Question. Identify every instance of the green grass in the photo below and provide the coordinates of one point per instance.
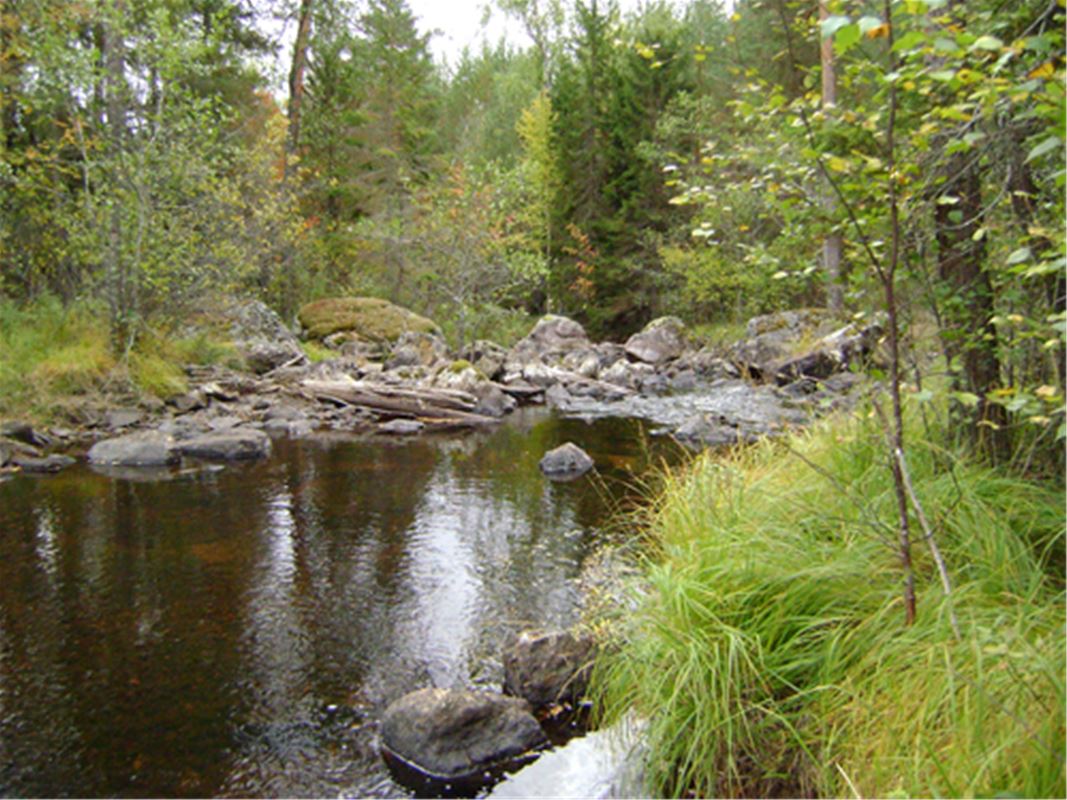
(769, 651)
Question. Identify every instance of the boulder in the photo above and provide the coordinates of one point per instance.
(552, 338)
(486, 357)
(549, 668)
(417, 349)
(370, 318)
(119, 418)
(235, 444)
(772, 338)
(144, 449)
(566, 461)
(831, 354)
(450, 741)
(262, 339)
(23, 432)
(661, 340)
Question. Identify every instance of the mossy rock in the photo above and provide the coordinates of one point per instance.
(369, 317)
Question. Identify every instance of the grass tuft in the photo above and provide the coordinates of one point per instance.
(769, 650)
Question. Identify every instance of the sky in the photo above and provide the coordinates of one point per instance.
(460, 23)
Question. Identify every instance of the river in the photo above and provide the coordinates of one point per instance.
(237, 632)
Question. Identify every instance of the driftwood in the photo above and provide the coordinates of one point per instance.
(438, 408)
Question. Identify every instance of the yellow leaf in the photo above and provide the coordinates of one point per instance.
(1046, 392)
(879, 32)
(1046, 70)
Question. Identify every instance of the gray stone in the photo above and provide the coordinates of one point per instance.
(144, 449)
(185, 403)
(119, 418)
(233, 445)
(486, 357)
(456, 741)
(493, 401)
(23, 432)
(264, 356)
(226, 423)
(546, 668)
(415, 349)
(568, 460)
(49, 464)
(661, 340)
(401, 427)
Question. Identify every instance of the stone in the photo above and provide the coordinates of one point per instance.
(24, 432)
(417, 349)
(144, 449)
(831, 354)
(186, 403)
(567, 461)
(486, 357)
(225, 423)
(771, 338)
(401, 427)
(263, 340)
(662, 340)
(46, 464)
(264, 356)
(493, 401)
(547, 668)
(233, 445)
(455, 741)
(370, 318)
(120, 418)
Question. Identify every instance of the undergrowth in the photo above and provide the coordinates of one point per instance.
(769, 652)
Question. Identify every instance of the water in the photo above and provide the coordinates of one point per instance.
(238, 632)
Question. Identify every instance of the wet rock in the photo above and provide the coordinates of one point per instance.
(232, 445)
(449, 741)
(120, 418)
(23, 432)
(401, 427)
(661, 340)
(566, 461)
(47, 464)
(144, 449)
(549, 668)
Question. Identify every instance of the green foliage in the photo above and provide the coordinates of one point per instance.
(369, 317)
(769, 653)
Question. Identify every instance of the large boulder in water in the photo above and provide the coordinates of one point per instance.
(145, 449)
(454, 742)
(661, 340)
(566, 461)
(370, 318)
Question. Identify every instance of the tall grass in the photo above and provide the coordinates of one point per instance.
(769, 651)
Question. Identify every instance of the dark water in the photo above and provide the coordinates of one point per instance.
(238, 632)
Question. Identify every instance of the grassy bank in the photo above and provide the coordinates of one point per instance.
(55, 360)
(769, 650)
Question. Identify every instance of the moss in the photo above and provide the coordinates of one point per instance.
(316, 352)
(369, 317)
(459, 365)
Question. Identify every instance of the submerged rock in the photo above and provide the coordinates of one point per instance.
(451, 741)
(144, 449)
(566, 461)
(548, 668)
(45, 464)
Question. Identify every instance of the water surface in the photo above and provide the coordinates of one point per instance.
(238, 632)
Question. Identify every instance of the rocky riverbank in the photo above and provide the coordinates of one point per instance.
(392, 374)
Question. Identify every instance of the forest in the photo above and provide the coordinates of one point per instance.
(899, 163)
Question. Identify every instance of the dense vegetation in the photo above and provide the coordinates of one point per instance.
(903, 158)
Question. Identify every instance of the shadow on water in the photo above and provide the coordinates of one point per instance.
(238, 632)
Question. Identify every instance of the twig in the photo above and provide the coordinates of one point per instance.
(928, 532)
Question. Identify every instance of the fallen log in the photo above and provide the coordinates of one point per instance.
(437, 407)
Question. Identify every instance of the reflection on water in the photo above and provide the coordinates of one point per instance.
(238, 633)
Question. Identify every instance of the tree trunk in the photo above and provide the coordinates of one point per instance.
(119, 280)
(970, 337)
(296, 83)
(832, 244)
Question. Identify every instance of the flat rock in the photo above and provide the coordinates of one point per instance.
(233, 445)
(401, 427)
(144, 449)
(119, 418)
(23, 432)
(45, 464)
(546, 668)
(454, 741)
(566, 461)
